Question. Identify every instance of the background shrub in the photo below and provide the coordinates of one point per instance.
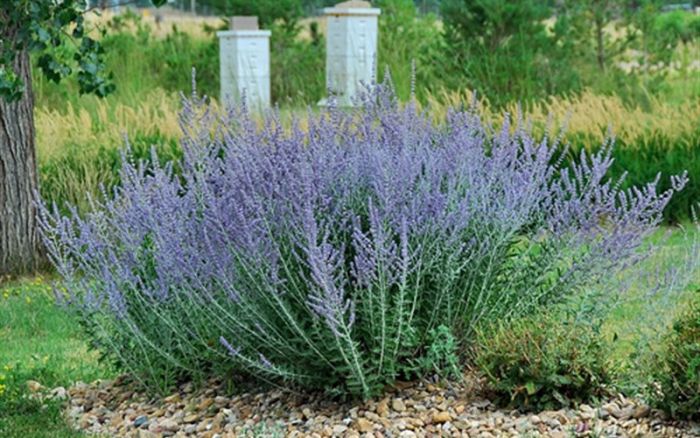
(330, 255)
(503, 48)
(297, 65)
(542, 362)
(675, 372)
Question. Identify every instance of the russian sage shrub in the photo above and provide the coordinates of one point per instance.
(331, 252)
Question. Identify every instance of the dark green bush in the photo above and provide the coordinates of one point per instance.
(657, 154)
(542, 361)
(504, 50)
(297, 66)
(677, 26)
(675, 370)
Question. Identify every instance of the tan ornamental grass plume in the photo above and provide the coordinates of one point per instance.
(104, 123)
(588, 116)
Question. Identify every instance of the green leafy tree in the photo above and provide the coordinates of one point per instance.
(493, 23)
(267, 11)
(590, 22)
(505, 50)
(658, 34)
(40, 27)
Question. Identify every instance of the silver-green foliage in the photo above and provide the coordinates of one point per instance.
(343, 254)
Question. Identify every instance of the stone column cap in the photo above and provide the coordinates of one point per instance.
(243, 22)
(352, 7)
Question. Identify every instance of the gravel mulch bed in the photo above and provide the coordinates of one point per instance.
(420, 409)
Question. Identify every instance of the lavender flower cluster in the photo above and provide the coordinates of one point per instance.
(323, 251)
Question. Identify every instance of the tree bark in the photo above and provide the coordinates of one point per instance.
(20, 246)
(600, 41)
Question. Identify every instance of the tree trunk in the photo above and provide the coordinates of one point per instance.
(20, 247)
(600, 41)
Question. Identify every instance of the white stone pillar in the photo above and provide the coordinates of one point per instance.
(244, 59)
(351, 48)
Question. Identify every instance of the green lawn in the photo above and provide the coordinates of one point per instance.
(643, 317)
(38, 341)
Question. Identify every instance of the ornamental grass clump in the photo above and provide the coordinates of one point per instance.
(333, 253)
